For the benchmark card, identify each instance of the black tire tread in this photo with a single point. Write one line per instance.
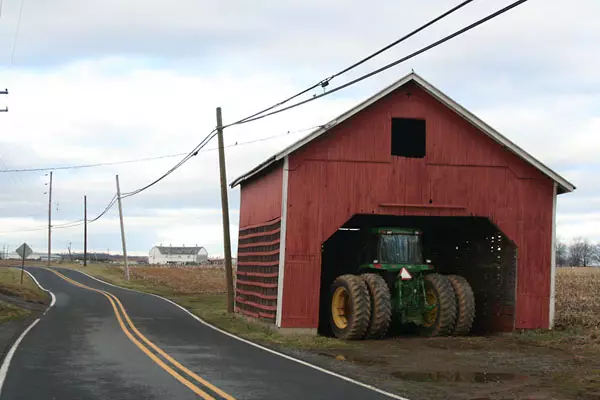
(465, 300)
(447, 305)
(358, 323)
(381, 306)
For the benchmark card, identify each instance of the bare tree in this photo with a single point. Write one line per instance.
(596, 254)
(562, 253)
(581, 252)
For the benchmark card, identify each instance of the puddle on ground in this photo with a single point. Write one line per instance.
(475, 377)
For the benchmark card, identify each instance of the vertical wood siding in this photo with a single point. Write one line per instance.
(260, 199)
(350, 170)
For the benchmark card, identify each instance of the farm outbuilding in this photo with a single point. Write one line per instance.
(407, 157)
(177, 255)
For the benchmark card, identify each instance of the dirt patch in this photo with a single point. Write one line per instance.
(498, 367)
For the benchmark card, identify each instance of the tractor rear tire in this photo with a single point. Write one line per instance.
(442, 319)
(350, 307)
(465, 300)
(381, 306)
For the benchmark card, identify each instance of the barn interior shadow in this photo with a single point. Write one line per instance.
(472, 247)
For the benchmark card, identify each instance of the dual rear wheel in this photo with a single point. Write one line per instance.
(361, 306)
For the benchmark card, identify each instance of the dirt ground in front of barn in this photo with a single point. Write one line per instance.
(559, 364)
(515, 366)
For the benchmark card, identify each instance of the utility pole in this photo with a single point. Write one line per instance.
(70, 256)
(85, 231)
(122, 229)
(5, 109)
(225, 210)
(50, 219)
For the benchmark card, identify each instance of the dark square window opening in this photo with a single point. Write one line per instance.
(408, 137)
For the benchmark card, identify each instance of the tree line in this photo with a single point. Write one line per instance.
(580, 252)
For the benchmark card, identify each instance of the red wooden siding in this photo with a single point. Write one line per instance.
(350, 170)
(260, 199)
(258, 246)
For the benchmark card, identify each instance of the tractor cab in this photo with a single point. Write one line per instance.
(392, 249)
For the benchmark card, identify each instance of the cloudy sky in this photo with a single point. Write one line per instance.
(96, 82)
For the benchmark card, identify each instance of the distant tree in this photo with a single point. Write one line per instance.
(581, 252)
(596, 254)
(562, 253)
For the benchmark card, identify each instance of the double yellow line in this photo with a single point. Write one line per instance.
(114, 301)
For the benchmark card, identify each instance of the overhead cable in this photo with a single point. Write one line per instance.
(390, 65)
(135, 160)
(325, 82)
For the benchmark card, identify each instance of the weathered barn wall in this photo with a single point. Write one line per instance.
(258, 246)
(260, 199)
(350, 170)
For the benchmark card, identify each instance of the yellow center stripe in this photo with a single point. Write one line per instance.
(112, 299)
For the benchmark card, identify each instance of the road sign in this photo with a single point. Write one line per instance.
(24, 251)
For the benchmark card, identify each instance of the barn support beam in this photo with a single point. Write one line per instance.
(283, 230)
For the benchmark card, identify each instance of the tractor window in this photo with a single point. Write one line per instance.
(400, 249)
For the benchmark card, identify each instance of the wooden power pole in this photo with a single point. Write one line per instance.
(85, 231)
(225, 210)
(50, 219)
(122, 229)
(5, 91)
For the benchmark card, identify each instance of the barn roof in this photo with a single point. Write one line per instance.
(564, 186)
(167, 250)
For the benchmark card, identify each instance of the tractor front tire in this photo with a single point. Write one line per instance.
(465, 300)
(381, 306)
(441, 319)
(350, 307)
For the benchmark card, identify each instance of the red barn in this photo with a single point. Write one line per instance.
(408, 156)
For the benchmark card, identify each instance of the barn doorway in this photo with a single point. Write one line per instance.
(472, 247)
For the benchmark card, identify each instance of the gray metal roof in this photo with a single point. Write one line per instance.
(179, 250)
(564, 186)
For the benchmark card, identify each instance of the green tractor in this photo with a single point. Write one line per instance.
(392, 281)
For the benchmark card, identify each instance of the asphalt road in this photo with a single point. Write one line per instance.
(81, 350)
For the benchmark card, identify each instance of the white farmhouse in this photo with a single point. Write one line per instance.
(177, 255)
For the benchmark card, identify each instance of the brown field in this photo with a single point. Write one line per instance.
(578, 298)
(184, 280)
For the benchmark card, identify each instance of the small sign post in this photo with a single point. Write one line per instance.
(23, 251)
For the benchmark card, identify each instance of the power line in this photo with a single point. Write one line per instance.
(14, 48)
(41, 169)
(113, 200)
(185, 159)
(390, 65)
(81, 166)
(197, 149)
(325, 82)
(70, 224)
